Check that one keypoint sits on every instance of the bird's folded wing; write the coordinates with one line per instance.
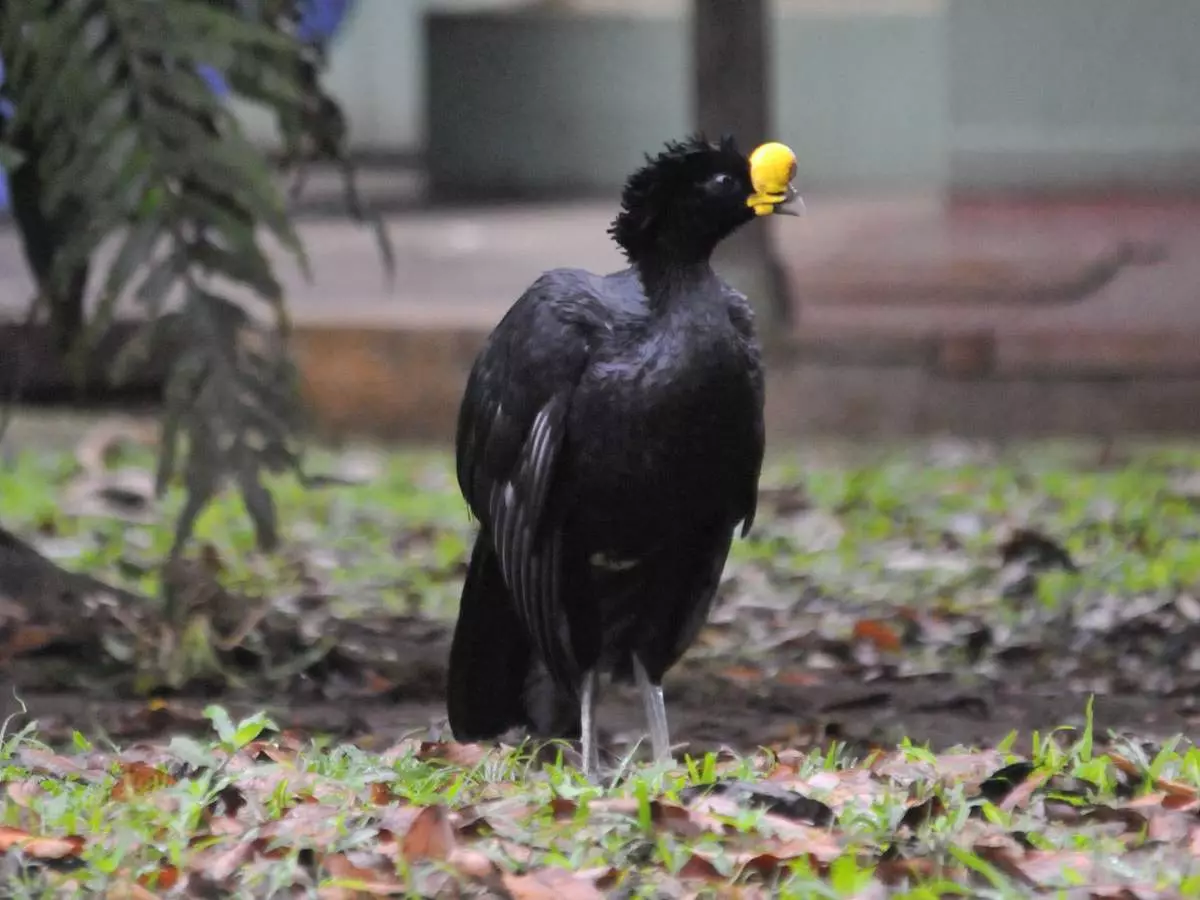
(511, 428)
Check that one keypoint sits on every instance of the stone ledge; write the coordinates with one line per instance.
(373, 378)
(1069, 354)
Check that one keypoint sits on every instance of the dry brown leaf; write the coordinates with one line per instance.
(1005, 854)
(1042, 867)
(44, 762)
(163, 879)
(22, 792)
(473, 864)
(893, 872)
(550, 884)
(742, 674)
(1178, 790)
(312, 824)
(220, 866)
(700, 868)
(138, 778)
(877, 632)
(398, 818)
(800, 839)
(465, 755)
(359, 880)
(40, 846)
(225, 826)
(275, 752)
(430, 836)
(129, 890)
(381, 794)
(1020, 796)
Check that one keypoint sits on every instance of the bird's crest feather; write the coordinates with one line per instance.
(648, 190)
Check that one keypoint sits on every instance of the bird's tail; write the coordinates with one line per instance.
(494, 683)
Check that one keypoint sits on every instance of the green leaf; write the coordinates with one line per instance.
(131, 144)
(249, 729)
(221, 722)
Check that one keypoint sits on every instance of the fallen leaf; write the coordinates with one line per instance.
(381, 794)
(1178, 790)
(260, 750)
(45, 762)
(877, 632)
(796, 839)
(700, 868)
(163, 879)
(429, 836)
(742, 674)
(1020, 796)
(550, 884)
(351, 880)
(22, 792)
(40, 846)
(129, 890)
(464, 755)
(139, 778)
(473, 864)
(224, 864)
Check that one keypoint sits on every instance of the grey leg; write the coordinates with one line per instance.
(587, 721)
(656, 712)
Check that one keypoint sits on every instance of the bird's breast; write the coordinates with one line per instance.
(665, 432)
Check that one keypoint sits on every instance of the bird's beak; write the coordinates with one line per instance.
(785, 202)
(792, 205)
(772, 167)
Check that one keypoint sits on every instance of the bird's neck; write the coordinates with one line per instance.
(668, 281)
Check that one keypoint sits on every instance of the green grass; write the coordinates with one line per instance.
(843, 536)
(894, 529)
(397, 541)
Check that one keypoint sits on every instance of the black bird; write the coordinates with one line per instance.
(609, 443)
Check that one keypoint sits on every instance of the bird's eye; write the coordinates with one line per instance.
(721, 180)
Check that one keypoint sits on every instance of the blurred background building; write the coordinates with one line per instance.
(514, 96)
(1003, 235)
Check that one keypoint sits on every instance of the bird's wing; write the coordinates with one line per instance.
(742, 317)
(510, 430)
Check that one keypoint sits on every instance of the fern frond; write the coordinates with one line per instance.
(115, 120)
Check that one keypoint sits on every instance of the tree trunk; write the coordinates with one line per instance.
(732, 95)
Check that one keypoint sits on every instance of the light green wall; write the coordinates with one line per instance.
(557, 101)
(377, 72)
(872, 93)
(1061, 92)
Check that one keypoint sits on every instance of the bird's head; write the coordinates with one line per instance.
(694, 194)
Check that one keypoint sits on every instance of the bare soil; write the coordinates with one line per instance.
(709, 707)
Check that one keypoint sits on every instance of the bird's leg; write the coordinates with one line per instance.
(656, 712)
(587, 722)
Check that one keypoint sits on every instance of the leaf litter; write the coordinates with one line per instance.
(281, 815)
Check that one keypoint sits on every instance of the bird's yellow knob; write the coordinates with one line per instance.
(772, 168)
